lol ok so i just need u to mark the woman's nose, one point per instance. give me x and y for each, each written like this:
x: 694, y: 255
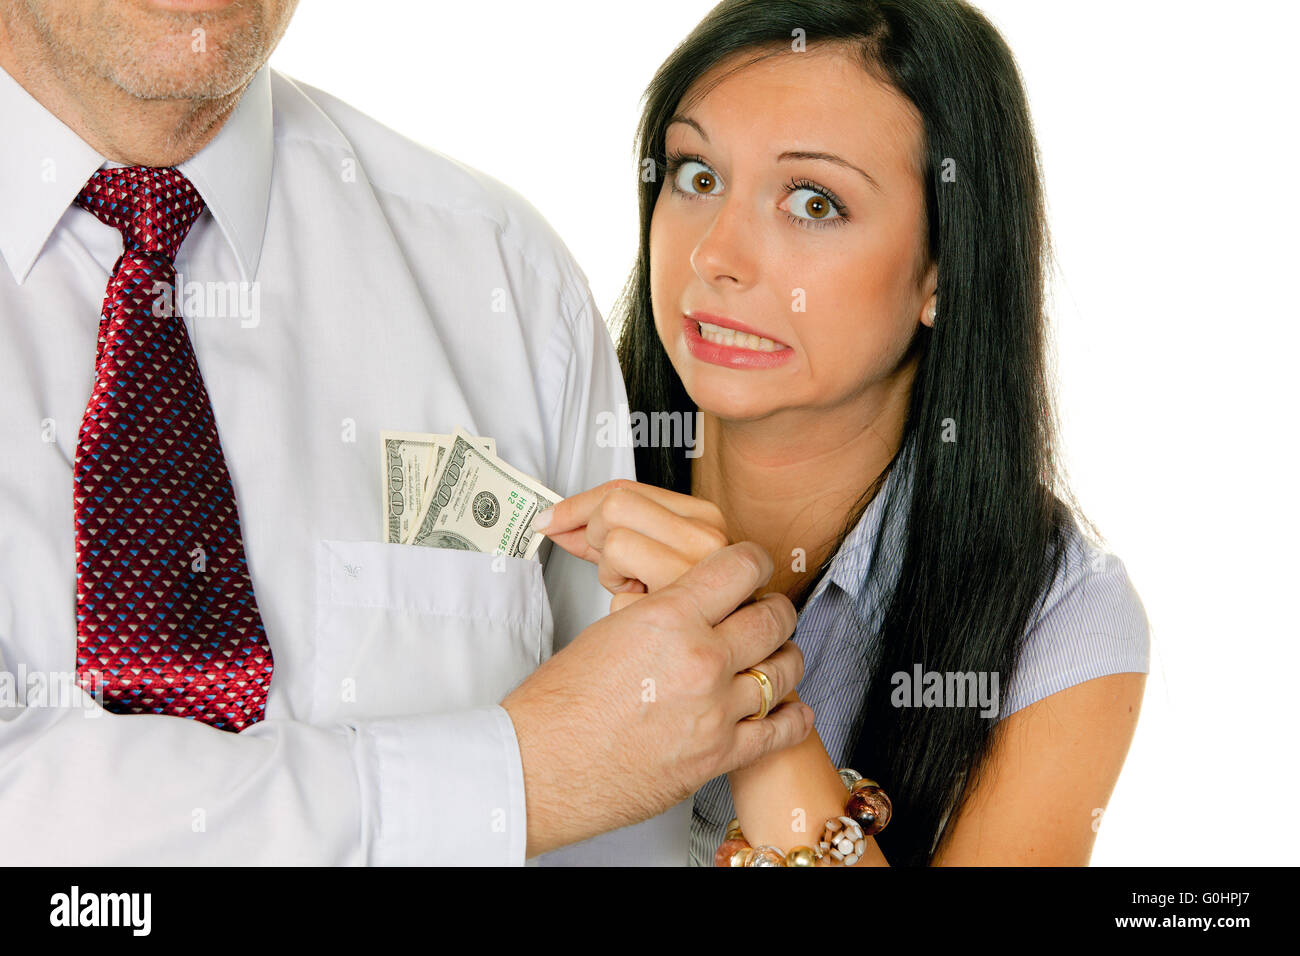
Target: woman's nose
x: 725, y: 253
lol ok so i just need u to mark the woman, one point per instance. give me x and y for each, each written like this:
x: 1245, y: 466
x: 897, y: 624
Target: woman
x: 841, y: 269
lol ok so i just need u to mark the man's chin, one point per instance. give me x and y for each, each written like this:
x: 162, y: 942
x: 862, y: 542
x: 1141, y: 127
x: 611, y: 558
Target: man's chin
x: 155, y: 53
x: 190, y: 6
x: 166, y: 82
x: 176, y: 66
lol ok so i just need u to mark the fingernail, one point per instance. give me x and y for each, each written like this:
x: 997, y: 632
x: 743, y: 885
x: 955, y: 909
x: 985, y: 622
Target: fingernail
x: 543, y: 519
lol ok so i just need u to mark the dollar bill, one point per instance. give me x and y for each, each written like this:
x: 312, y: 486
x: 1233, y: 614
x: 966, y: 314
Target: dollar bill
x: 477, y: 502
x: 410, y: 460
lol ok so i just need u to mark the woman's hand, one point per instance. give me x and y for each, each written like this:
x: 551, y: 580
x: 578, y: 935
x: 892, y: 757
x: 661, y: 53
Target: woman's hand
x: 641, y: 538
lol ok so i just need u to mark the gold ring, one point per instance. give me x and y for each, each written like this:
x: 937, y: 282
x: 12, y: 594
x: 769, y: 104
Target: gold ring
x: 765, y: 685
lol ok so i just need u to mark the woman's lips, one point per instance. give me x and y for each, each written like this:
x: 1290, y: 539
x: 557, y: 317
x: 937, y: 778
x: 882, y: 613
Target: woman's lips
x: 729, y: 356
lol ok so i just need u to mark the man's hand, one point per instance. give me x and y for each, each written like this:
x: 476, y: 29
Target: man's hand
x: 648, y: 704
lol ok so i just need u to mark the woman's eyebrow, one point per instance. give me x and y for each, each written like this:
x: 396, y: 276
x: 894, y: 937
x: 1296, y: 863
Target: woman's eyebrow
x: 789, y: 154
x: 689, y: 122
x: 830, y: 158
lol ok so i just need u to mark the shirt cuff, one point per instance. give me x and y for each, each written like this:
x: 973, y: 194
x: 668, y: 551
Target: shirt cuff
x: 443, y: 789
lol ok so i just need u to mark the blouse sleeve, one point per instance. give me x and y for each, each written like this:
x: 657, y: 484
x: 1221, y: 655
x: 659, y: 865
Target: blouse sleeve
x: 1092, y: 624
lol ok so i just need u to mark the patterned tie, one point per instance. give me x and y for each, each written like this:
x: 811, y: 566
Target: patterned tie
x: 167, y: 622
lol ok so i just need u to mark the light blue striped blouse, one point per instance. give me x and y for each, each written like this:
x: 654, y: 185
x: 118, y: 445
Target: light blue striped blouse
x: 1092, y: 624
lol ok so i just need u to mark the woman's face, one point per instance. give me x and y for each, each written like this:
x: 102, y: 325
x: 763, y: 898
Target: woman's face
x: 792, y: 210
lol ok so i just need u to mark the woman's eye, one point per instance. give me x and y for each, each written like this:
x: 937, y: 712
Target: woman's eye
x: 810, y: 204
x: 695, y: 177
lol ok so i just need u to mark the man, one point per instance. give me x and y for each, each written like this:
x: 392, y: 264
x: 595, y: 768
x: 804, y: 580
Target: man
x: 365, y: 702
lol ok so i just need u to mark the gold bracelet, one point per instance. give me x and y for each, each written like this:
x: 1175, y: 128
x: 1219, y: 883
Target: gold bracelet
x: 843, y: 838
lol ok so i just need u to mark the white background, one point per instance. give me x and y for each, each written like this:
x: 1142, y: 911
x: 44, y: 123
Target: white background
x: 1169, y: 141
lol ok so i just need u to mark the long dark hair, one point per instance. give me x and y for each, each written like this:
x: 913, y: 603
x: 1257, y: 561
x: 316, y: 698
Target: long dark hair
x: 981, y: 527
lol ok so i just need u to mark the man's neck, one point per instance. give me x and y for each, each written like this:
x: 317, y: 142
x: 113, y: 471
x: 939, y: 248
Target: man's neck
x: 121, y: 127
x: 791, y: 481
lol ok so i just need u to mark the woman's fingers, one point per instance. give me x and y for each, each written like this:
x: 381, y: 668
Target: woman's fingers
x: 576, y: 510
x: 613, y: 510
x: 633, y: 511
x: 629, y: 556
x: 575, y: 542
x: 624, y: 598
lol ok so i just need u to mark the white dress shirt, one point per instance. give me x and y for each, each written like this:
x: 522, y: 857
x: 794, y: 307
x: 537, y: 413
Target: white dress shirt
x: 368, y: 283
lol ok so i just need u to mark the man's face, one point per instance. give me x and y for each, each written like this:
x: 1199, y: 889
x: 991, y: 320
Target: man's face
x: 162, y: 49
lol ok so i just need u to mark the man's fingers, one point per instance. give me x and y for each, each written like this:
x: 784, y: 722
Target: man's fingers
x: 716, y: 586
x: 755, y: 631
x: 783, y: 669
x: 784, y: 727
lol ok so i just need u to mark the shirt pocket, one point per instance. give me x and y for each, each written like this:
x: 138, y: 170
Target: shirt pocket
x: 410, y: 630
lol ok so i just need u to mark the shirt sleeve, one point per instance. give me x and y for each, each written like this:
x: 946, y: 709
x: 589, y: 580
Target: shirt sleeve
x: 82, y: 786
x: 1092, y: 624
x: 589, y: 395
x: 446, y: 790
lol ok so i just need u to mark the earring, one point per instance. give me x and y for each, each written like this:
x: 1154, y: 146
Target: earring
x: 933, y: 313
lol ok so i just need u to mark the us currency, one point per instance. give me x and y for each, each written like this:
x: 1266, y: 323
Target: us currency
x: 477, y: 502
x: 410, y: 459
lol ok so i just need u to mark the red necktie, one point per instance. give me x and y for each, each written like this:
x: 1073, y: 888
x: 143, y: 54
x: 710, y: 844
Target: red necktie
x: 167, y: 622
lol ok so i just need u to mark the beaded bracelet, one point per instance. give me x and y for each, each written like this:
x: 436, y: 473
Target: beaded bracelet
x: 843, y: 839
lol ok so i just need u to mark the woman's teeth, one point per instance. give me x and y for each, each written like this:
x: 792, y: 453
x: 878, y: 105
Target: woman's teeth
x: 740, y: 340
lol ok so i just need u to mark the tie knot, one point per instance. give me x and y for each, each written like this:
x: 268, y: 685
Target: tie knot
x: 152, y: 207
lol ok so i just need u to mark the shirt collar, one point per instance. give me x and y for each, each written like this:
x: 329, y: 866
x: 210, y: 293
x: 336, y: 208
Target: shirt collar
x: 850, y: 569
x: 44, y: 167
